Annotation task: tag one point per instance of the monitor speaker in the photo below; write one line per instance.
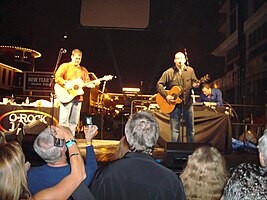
(177, 153)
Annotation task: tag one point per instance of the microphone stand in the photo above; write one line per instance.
(182, 115)
(102, 119)
(61, 51)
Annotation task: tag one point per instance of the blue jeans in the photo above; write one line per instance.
(69, 114)
(175, 117)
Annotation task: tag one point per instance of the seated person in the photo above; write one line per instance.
(57, 167)
(205, 174)
(249, 181)
(211, 96)
(13, 184)
(137, 175)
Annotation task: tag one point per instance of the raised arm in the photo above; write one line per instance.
(66, 186)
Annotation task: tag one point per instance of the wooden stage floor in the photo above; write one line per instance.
(104, 147)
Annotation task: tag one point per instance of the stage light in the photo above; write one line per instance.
(119, 106)
(130, 90)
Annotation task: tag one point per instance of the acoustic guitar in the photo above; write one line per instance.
(65, 96)
(175, 91)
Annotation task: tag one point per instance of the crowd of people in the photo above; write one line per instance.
(132, 174)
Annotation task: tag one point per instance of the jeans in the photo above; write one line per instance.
(175, 117)
(69, 114)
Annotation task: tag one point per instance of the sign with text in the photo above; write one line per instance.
(13, 115)
(38, 81)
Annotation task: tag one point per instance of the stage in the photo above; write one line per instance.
(212, 126)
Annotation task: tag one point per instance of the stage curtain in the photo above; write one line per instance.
(212, 126)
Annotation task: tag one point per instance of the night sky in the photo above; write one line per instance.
(134, 56)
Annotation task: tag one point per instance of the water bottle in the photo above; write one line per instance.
(27, 101)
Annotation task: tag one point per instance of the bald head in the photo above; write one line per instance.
(179, 59)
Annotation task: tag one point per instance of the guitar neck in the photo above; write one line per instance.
(93, 81)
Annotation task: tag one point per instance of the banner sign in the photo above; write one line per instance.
(12, 116)
(38, 81)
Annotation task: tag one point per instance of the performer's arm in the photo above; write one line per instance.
(160, 85)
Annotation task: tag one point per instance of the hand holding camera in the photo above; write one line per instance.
(61, 135)
(90, 131)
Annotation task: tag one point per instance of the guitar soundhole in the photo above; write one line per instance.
(175, 96)
(76, 87)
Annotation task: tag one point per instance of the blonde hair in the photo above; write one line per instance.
(76, 51)
(205, 174)
(13, 184)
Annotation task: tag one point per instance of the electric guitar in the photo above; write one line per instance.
(175, 91)
(65, 96)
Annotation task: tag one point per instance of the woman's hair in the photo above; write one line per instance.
(142, 132)
(13, 184)
(122, 148)
(2, 138)
(120, 151)
(205, 174)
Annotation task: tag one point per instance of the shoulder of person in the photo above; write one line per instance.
(189, 68)
(64, 65)
(84, 69)
(170, 70)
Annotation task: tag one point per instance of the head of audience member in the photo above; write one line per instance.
(248, 181)
(206, 89)
(205, 174)
(142, 132)
(262, 145)
(13, 184)
(45, 148)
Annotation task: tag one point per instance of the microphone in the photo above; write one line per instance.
(62, 50)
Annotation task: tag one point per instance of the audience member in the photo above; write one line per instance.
(262, 145)
(13, 184)
(57, 167)
(119, 152)
(137, 175)
(205, 174)
(249, 181)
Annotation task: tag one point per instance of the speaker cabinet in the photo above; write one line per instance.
(177, 154)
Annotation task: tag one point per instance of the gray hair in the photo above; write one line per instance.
(44, 147)
(248, 181)
(142, 132)
(263, 145)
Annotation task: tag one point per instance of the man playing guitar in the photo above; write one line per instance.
(69, 112)
(184, 77)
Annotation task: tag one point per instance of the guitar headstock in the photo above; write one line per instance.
(107, 77)
(204, 78)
